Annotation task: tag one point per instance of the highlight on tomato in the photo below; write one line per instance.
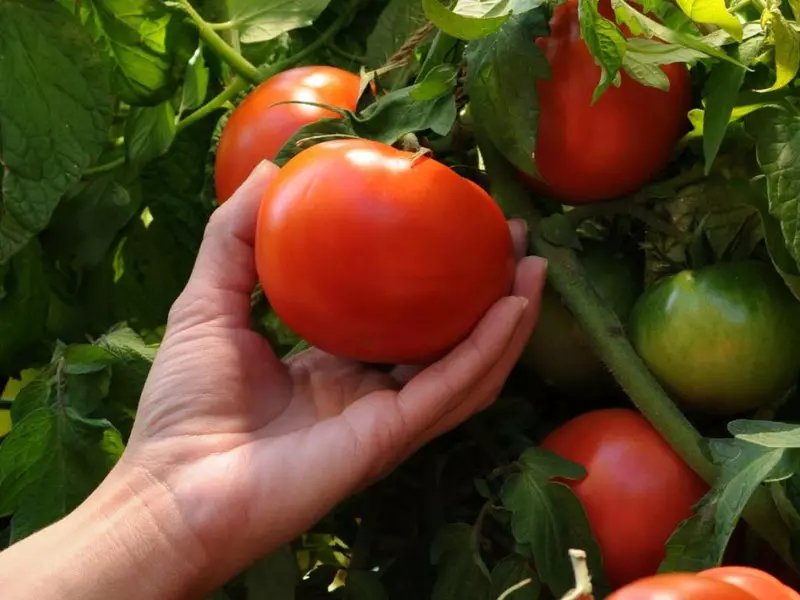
(256, 130)
(755, 581)
(591, 152)
(723, 339)
(681, 586)
(380, 255)
(636, 492)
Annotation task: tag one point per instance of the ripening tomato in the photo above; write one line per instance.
(723, 339)
(257, 130)
(636, 492)
(588, 152)
(380, 255)
(681, 586)
(755, 581)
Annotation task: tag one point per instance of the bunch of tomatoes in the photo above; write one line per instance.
(388, 256)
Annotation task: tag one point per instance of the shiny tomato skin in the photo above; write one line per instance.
(755, 581)
(681, 586)
(378, 255)
(636, 492)
(256, 130)
(724, 339)
(591, 152)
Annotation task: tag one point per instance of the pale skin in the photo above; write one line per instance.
(235, 452)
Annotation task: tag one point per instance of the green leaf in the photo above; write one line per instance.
(549, 519)
(461, 26)
(777, 135)
(398, 113)
(658, 53)
(24, 298)
(86, 224)
(397, 22)
(699, 542)
(145, 45)
(50, 463)
(149, 132)
(713, 12)
(263, 20)
(722, 87)
(754, 193)
(438, 82)
(768, 434)
(54, 117)
(511, 571)
(80, 359)
(462, 574)
(275, 576)
(606, 43)
(787, 48)
(195, 88)
(504, 61)
(644, 72)
(642, 24)
(364, 585)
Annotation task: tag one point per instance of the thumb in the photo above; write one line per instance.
(224, 273)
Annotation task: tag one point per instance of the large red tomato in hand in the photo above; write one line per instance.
(636, 492)
(257, 130)
(586, 152)
(378, 255)
(682, 586)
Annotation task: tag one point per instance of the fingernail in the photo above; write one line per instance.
(521, 223)
(523, 303)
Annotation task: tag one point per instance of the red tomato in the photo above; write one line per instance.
(373, 254)
(586, 152)
(755, 581)
(636, 492)
(257, 130)
(681, 586)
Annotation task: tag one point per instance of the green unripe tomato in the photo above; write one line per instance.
(724, 339)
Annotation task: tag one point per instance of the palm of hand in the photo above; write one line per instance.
(249, 444)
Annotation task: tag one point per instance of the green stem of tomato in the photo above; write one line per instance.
(611, 343)
(105, 167)
(229, 93)
(239, 84)
(240, 65)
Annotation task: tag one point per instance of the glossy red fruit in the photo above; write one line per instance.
(755, 581)
(681, 586)
(636, 492)
(257, 130)
(586, 153)
(378, 255)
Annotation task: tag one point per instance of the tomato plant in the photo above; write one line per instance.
(590, 150)
(351, 255)
(559, 351)
(723, 338)
(636, 490)
(259, 126)
(668, 145)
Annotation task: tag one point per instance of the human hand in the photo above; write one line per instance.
(254, 451)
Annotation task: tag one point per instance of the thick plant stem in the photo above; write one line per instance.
(240, 65)
(610, 342)
(583, 579)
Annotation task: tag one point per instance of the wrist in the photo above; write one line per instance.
(127, 540)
